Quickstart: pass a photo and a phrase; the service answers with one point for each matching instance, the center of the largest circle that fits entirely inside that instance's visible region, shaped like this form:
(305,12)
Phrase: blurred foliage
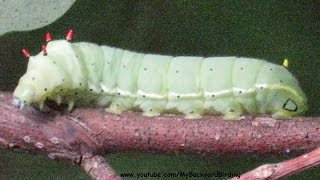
(17,165)
(17,15)
(270,30)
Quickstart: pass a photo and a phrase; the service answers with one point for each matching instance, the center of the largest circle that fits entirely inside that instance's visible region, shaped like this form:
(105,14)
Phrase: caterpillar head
(43,74)
(23,95)
(35,85)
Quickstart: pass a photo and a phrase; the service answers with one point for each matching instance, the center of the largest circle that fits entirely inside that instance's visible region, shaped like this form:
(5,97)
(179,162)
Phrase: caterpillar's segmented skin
(80,73)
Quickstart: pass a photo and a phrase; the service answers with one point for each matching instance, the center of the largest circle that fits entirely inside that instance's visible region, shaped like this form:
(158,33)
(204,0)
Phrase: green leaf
(17,15)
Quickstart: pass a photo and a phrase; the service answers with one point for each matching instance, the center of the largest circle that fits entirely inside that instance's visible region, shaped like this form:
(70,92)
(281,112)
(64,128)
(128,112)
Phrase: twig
(98,168)
(283,169)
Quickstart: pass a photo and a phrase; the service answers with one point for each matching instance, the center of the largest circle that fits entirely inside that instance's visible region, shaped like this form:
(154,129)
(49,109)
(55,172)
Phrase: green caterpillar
(85,73)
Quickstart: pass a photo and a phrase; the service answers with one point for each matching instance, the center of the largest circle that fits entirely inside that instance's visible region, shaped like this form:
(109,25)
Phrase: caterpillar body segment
(85,73)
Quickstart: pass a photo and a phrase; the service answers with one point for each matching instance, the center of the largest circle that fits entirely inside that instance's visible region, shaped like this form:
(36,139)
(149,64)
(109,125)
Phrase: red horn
(25,53)
(48,37)
(44,50)
(70,35)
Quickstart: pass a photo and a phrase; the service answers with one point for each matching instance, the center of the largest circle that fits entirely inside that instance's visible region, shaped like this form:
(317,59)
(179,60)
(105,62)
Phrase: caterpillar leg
(70,105)
(104,100)
(151,107)
(41,105)
(232,116)
(193,115)
(58,99)
(120,104)
(234,113)
(280,115)
(192,109)
(151,112)
(115,108)
(230,108)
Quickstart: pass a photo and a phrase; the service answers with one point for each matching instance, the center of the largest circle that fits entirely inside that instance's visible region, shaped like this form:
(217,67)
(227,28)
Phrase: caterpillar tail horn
(285,63)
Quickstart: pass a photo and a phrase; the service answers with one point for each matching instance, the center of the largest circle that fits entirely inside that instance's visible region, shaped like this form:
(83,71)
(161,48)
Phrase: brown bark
(98,168)
(93,132)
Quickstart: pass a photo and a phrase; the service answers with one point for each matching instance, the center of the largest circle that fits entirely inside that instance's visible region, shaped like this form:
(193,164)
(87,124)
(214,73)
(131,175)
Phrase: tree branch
(74,135)
(98,168)
(283,169)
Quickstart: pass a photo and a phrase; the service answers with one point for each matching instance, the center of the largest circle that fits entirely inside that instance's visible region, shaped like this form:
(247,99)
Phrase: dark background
(270,30)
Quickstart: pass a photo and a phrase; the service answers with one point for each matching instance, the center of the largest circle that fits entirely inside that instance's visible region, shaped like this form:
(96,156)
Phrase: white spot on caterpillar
(151,95)
(217,93)
(124,93)
(39,145)
(261,86)
(243,90)
(107,90)
(129,94)
(26,139)
(235,90)
(173,95)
